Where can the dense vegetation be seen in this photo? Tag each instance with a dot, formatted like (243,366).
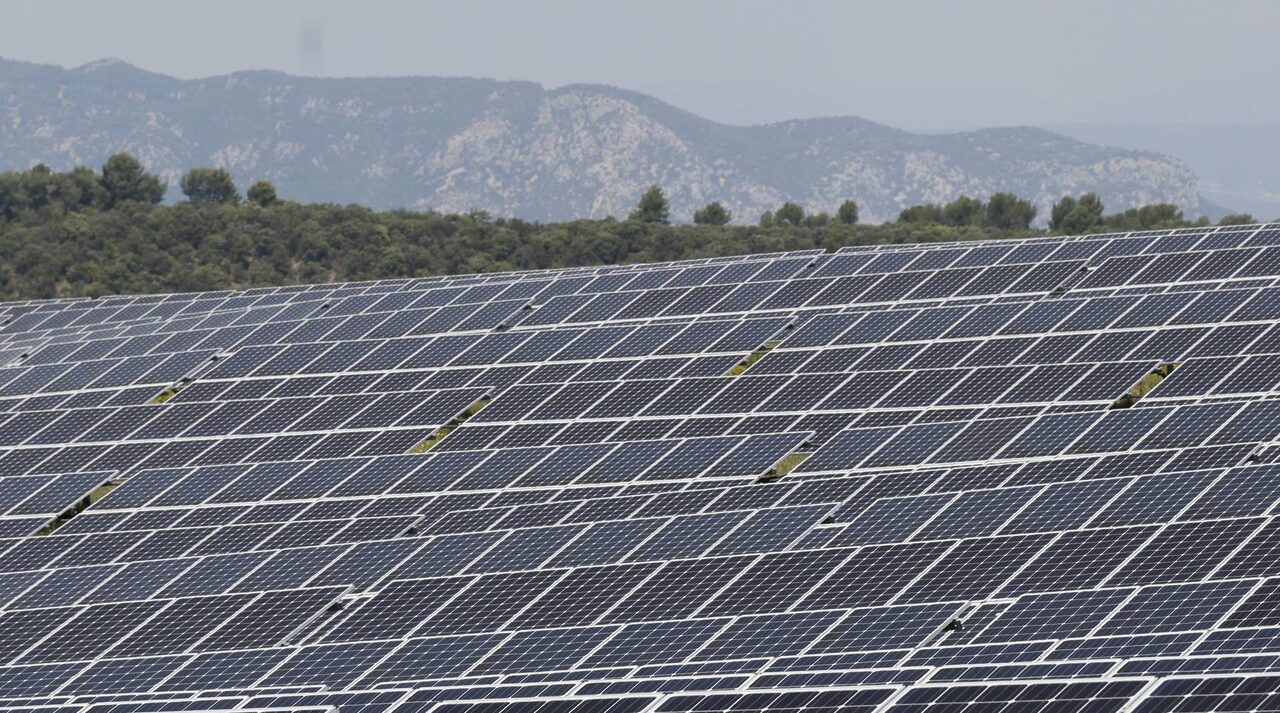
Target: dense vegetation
(86,232)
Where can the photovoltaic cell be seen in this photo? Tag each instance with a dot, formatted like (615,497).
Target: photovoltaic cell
(967,513)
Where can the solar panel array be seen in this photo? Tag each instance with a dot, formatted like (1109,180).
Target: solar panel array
(1020,475)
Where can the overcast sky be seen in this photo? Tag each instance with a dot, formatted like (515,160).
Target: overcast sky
(921,65)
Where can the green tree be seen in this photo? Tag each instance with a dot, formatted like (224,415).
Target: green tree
(60,238)
(1237,219)
(963,211)
(1058,214)
(767,219)
(1006,211)
(789,214)
(1076,216)
(82,187)
(1147,217)
(713,213)
(263,193)
(209,185)
(124,179)
(1159,215)
(847,213)
(927,213)
(652,207)
(817,220)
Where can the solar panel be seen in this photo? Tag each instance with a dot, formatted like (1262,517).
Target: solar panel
(1009,474)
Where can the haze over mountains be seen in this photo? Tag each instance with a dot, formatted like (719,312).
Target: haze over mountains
(1238,164)
(518,149)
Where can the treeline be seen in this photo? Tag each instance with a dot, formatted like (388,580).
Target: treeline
(89,233)
(1001,212)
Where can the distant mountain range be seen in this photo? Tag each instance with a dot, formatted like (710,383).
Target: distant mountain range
(517,149)
(1238,164)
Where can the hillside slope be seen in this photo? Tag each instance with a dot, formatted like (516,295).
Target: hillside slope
(515,148)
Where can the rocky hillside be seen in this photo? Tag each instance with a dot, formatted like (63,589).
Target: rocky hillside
(515,148)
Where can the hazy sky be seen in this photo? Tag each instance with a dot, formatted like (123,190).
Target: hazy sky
(923,65)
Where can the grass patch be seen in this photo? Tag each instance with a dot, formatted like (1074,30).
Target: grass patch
(439,434)
(165,395)
(83,504)
(1144,386)
(752,358)
(789,462)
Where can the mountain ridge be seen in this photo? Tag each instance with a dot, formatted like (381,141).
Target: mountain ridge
(516,148)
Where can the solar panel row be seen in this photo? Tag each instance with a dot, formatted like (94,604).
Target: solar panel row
(1031,475)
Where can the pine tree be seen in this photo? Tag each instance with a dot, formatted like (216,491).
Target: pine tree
(263,193)
(712,213)
(124,180)
(652,207)
(209,185)
(848,213)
